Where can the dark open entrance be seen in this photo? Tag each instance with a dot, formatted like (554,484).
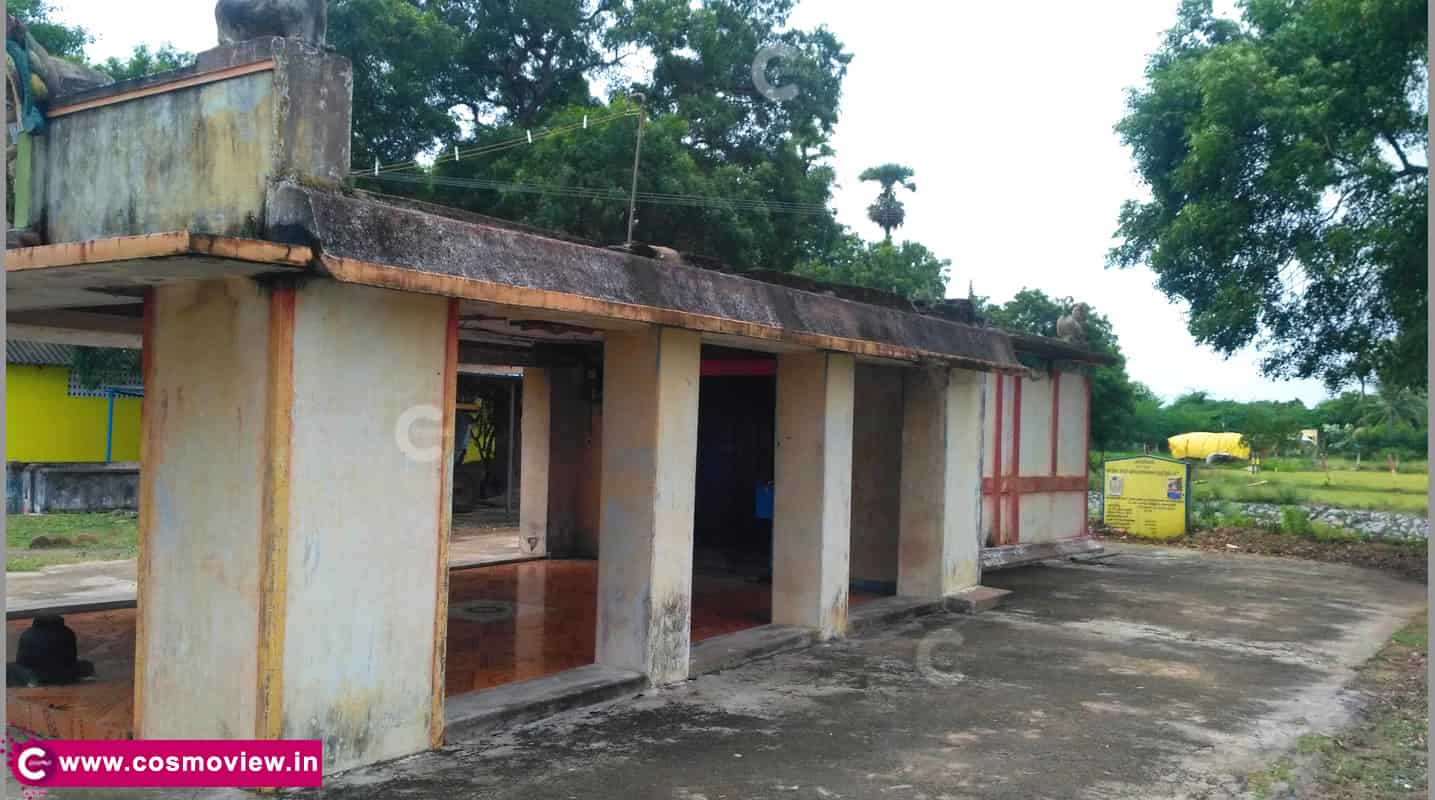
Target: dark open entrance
(732,520)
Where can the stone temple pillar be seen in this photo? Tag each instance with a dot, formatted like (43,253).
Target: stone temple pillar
(645,565)
(294,515)
(939,533)
(812,510)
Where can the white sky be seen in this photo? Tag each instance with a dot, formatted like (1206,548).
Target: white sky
(1005,111)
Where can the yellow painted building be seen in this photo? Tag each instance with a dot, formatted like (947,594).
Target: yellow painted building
(49,419)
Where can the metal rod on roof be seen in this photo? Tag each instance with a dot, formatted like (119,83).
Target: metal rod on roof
(637,154)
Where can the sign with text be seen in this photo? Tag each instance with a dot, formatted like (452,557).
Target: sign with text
(1146,496)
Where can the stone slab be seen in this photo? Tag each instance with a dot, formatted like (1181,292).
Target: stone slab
(471,715)
(729,650)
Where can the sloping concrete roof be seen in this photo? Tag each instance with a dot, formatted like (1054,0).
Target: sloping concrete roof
(362,240)
(38,354)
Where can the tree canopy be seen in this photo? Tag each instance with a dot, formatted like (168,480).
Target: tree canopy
(726,172)
(1283,152)
(145,61)
(907,269)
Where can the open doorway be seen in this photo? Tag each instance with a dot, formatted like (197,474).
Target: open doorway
(732,521)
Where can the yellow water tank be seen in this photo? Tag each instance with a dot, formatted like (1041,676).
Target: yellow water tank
(1200,445)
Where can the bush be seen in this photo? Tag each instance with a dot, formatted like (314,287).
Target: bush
(1288,496)
(1330,533)
(1296,522)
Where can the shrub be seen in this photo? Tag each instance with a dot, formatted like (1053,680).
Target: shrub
(1330,533)
(1295,521)
(1288,496)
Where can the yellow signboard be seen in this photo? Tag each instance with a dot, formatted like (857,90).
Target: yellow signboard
(1146,496)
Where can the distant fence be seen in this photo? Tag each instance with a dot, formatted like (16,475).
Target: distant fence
(40,487)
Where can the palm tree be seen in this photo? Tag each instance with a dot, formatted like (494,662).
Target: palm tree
(888,211)
(1395,405)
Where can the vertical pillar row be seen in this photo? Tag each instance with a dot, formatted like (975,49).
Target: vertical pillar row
(296,449)
(939,533)
(645,568)
(812,509)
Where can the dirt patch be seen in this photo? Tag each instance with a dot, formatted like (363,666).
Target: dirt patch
(1380,757)
(1407,560)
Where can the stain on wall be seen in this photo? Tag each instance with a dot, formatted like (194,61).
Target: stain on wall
(201,511)
(876,475)
(364,522)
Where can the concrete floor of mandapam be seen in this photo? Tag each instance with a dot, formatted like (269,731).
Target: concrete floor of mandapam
(507,622)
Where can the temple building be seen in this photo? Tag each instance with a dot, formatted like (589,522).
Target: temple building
(710,463)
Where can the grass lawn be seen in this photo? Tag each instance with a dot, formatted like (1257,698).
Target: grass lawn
(72,538)
(1291,481)
(1371,490)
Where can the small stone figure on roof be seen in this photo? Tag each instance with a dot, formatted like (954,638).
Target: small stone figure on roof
(1071,326)
(242,20)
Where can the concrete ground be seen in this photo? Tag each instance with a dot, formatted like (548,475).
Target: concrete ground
(93,583)
(1160,673)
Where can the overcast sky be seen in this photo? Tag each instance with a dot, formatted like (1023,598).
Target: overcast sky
(1005,111)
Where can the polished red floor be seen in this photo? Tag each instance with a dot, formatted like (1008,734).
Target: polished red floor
(507,622)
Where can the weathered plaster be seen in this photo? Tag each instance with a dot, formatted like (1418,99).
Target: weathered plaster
(373,243)
(812,508)
(939,547)
(202,501)
(365,521)
(290,547)
(650,382)
(876,474)
(137,158)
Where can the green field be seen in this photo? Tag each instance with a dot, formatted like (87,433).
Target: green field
(1380,491)
(1292,482)
(79,537)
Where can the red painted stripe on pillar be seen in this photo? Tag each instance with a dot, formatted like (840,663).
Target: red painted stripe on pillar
(1038,484)
(1055,414)
(1015,459)
(1086,462)
(997,500)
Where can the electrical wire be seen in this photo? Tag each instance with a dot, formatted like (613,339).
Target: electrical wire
(595,193)
(458,154)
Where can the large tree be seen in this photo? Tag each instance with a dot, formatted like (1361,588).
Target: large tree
(432,75)
(1284,153)
(401,53)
